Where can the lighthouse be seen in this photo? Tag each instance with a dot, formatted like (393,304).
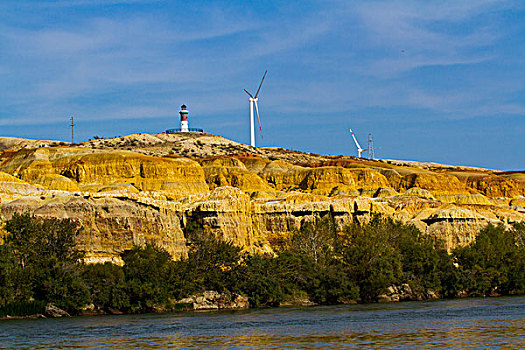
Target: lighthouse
(184,127)
(183,119)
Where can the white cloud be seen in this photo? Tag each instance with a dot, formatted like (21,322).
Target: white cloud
(416,34)
(205,60)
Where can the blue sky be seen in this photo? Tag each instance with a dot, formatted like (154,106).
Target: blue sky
(432,81)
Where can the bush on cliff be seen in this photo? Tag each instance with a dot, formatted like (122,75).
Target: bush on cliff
(311,265)
(40,260)
(148,271)
(211,265)
(107,285)
(494,263)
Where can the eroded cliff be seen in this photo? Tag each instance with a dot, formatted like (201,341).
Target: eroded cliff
(149,188)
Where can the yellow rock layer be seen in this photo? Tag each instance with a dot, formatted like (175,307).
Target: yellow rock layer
(495,186)
(175,177)
(12,188)
(57,182)
(518,201)
(228,171)
(122,198)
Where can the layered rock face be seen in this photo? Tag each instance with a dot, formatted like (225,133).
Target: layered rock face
(150,188)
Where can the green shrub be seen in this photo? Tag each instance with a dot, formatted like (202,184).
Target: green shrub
(41,261)
(211,264)
(256,279)
(494,263)
(107,286)
(22,308)
(147,271)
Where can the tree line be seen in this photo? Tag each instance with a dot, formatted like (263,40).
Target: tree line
(39,264)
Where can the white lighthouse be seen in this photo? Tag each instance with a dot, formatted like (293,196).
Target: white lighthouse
(183,119)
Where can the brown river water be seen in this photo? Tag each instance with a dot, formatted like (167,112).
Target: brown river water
(491,323)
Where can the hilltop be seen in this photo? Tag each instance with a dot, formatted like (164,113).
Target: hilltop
(148,188)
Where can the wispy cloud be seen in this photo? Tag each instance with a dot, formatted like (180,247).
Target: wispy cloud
(117,60)
(418,34)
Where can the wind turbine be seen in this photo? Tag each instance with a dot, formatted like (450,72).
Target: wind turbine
(359,149)
(253,101)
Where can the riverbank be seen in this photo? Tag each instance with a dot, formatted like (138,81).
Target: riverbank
(495,323)
(211,301)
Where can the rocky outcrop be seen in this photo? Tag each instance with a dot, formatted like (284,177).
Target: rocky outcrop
(150,188)
(496,186)
(13,188)
(57,182)
(212,300)
(229,171)
(109,225)
(53,311)
(404,292)
(435,183)
(91,170)
(518,204)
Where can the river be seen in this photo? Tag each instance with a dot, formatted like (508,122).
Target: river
(496,323)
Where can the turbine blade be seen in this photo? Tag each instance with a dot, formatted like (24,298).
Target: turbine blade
(248,93)
(259,89)
(355,140)
(258,119)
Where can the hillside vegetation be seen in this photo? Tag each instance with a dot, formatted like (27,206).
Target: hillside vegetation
(380,261)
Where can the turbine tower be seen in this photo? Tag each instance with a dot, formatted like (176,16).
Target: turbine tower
(359,149)
(253,101)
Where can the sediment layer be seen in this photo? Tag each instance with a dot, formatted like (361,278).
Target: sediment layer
(149,188)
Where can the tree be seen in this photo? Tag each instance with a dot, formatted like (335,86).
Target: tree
(12,284)
(494,262)
(256,279)
(107,286)
(45,260)
(517,268)
(211,263)
(425,262)
(148,273)
(310,265)
(35,241)
(370,259)
(315,240)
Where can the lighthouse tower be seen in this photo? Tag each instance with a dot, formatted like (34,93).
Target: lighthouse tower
(183,119)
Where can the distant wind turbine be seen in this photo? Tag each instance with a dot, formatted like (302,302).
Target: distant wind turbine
(253,101)
(359,149)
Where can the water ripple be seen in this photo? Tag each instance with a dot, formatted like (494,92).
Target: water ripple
(497,323)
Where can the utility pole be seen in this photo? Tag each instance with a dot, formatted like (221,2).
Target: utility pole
(72,131)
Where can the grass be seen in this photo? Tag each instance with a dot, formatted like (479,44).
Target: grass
(23,308)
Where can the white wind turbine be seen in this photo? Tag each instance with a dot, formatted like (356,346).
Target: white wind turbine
(359,149)
(253,100)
